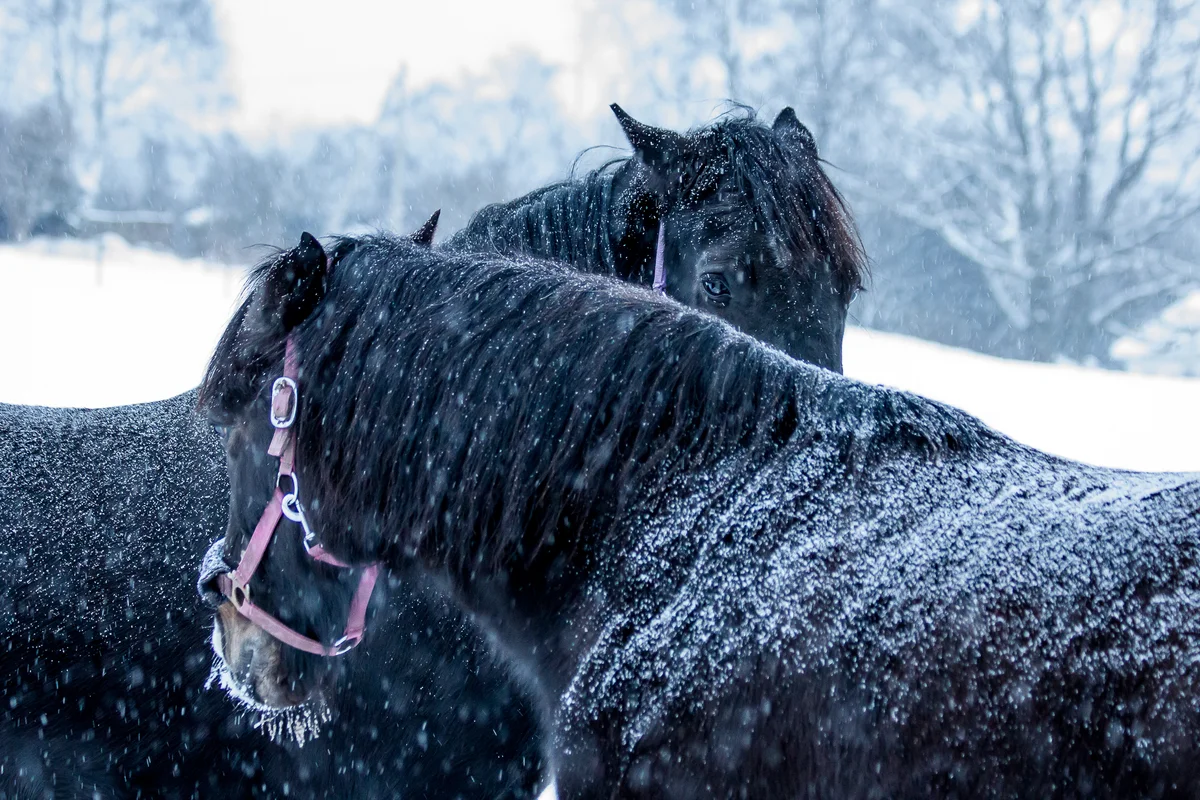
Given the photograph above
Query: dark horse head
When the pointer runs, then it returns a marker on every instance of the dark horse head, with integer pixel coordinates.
(753, 230)
(342, 336)
(250, 659)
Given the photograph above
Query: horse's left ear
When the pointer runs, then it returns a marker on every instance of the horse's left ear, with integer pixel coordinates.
(295, 284)
(656, 147)
(787, 124)
(424, 234)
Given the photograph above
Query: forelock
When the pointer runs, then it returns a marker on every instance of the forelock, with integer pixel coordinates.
(788, 192)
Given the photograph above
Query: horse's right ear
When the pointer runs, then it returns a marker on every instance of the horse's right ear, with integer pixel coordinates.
(294, 285)
(424, 234)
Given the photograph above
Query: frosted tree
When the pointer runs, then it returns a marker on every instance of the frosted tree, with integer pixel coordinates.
(1054, 145)
(36, 185)
(460, 146)
(819, 56)
(116, 70)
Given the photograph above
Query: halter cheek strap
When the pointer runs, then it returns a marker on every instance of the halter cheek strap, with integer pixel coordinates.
(660, 270)
(236, 585)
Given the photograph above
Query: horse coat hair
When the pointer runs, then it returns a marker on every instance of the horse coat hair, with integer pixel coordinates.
(727, 573)
(104, 515)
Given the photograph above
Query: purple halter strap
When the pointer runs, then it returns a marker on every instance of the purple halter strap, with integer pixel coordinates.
(660, 271)
(236, 585)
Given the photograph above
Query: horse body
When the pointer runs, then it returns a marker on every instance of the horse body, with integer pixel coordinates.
(105, 514)
(998, 624)
(727, 573)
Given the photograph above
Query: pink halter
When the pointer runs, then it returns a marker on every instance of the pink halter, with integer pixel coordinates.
(660, 270)
(236, 585)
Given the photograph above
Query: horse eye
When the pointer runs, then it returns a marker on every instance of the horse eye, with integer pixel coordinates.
(220, 430)
(716, 287)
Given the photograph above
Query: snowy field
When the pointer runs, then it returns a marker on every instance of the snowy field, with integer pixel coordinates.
(103, 323)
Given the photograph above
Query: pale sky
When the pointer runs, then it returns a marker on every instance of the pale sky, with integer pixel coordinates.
(300, 62)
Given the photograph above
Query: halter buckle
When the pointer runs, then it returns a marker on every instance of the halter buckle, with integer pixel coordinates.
(291, 508)
(283, 417)
(239, 593)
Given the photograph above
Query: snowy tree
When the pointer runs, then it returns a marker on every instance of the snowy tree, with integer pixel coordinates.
(819, 56)
(117, 69)
(459, 146)
(36, 184)
(240, 189)
(1054, 145)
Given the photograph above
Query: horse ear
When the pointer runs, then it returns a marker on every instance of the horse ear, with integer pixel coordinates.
(424, 234)
(656, 147)
(294, 285)
(786, 124)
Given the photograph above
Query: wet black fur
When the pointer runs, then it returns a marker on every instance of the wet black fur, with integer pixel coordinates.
(729, 574)
(104, 645)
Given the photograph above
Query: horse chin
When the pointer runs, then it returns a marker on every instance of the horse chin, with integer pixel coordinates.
(251, 665)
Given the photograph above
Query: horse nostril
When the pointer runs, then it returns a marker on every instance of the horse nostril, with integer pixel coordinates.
(239, 596)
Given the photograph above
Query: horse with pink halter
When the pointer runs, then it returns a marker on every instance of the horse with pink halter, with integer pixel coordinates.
(285, 398)
(235, 586)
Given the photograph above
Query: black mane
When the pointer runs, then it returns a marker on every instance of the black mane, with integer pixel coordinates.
(606, 221)
(580, 221)
(586, 393)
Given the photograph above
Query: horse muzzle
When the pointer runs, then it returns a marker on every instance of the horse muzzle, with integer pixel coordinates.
(212, 567)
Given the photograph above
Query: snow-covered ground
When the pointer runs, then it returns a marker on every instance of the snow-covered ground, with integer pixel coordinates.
(92, 324)
(1114, 419)
(103, 323)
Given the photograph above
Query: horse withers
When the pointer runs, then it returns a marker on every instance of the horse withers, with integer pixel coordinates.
(724, 573)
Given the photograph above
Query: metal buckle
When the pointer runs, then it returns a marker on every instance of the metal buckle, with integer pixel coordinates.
(239, 593)
(281, 383)
(291, 508)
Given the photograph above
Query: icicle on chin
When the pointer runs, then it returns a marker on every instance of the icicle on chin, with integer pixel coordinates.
(301, 724)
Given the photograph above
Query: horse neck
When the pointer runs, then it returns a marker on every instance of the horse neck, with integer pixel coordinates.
(639, 560)
(595, 224)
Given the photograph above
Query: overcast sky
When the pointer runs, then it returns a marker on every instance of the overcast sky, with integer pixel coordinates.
(296, 62)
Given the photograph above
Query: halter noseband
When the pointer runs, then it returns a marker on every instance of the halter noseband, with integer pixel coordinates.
(285, 395)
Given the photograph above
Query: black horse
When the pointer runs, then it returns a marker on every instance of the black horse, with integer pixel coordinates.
(752, 229)
(106, 653)
(725, 573)
(103, 517)
(744, 183)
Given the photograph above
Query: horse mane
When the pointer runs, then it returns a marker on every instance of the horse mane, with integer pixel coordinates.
(497, 402)
(584, 220)
(581, 221)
